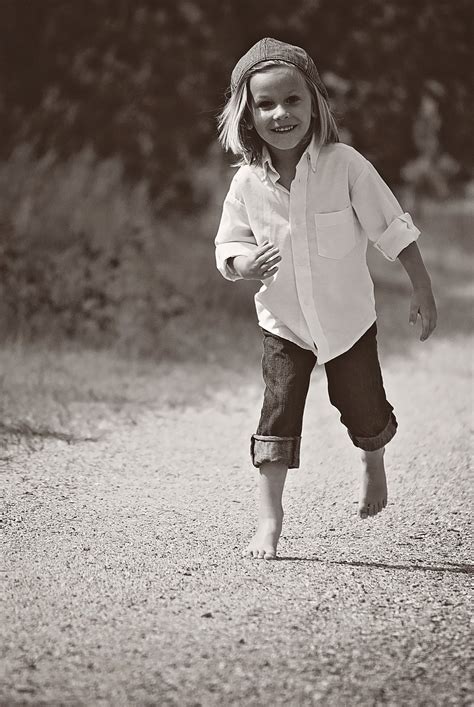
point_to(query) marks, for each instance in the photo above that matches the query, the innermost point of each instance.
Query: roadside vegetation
(111, 183)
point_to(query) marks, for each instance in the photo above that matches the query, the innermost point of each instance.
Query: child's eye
(293, 99)
(264, 104)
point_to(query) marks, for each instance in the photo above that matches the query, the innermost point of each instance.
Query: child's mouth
(285, 129)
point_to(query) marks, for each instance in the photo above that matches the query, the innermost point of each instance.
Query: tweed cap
(268, 49)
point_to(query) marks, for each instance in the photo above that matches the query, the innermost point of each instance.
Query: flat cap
(268, 49)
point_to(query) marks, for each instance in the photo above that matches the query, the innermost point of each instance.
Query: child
(298, 216)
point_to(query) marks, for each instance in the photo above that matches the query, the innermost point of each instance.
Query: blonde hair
(235, 125)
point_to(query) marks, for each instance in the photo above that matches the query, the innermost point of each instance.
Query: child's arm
(238, 255)
(422, 300)
(394, 234)
(235, 238)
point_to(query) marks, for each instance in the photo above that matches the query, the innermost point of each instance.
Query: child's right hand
(260, 264)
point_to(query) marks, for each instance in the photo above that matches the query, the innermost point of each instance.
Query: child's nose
(280, 112)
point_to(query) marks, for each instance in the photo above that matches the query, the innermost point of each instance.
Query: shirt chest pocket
(335, 235)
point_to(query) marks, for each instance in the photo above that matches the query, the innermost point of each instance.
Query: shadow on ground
(453, 567)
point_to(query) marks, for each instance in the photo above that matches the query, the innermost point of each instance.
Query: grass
(74, 394)
(84, 340)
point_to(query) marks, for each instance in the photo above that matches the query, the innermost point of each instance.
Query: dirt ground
(124, 583)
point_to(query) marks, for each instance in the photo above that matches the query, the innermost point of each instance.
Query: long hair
(235, 124)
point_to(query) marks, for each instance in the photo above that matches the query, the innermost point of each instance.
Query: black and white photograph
(236, 353)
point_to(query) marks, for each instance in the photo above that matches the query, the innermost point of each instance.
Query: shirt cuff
(401, 232)
(224, 251)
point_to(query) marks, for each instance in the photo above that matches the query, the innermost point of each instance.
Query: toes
(255, 553)
(369, 510)
(249, 552)
(269, 554)
(259, 554)
(375, 508)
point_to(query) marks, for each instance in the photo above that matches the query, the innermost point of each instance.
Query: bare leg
(373, 492)
(271, 483)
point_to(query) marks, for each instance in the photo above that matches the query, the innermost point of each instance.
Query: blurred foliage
(144, 79)
(79, 253)
(108, 122)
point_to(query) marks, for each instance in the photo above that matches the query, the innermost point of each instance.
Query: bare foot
(373, 492)
(264, 543)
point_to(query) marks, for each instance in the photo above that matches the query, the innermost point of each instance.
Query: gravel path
(125, 583)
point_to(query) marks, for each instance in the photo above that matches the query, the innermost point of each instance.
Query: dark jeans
(355, 388)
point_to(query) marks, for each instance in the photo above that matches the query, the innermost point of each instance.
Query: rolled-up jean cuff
(265, 449)
(371, 444)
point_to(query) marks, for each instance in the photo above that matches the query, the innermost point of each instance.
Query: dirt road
(124, 583)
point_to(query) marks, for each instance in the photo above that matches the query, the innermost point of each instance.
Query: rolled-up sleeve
(234, 236)
(388, 228)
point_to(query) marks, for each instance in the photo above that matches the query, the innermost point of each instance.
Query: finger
(268, 248)
(271, 261)
(264, 247)
(270, 254)
(269, 273)
(428, 325)
(265, 271)
(268, 267)
(413, 314)
(432, 326)
(425, 327)
(262, 259)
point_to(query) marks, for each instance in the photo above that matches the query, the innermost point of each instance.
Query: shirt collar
(312, 152)
(268, 171)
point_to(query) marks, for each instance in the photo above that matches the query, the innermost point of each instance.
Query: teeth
(284, 130)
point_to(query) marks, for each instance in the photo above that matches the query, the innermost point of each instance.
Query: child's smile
(284, 129)
(281, 107)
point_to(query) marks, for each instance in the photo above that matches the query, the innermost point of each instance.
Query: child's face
(281, 107)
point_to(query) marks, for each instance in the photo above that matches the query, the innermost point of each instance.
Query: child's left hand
(423, 303)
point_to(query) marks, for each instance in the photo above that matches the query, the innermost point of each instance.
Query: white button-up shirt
(322, 296)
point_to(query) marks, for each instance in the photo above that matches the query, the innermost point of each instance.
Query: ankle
(271, 484)
(270, 513)
(372, 458)
(270, 522)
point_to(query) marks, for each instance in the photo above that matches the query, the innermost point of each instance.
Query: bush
(81, 252)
